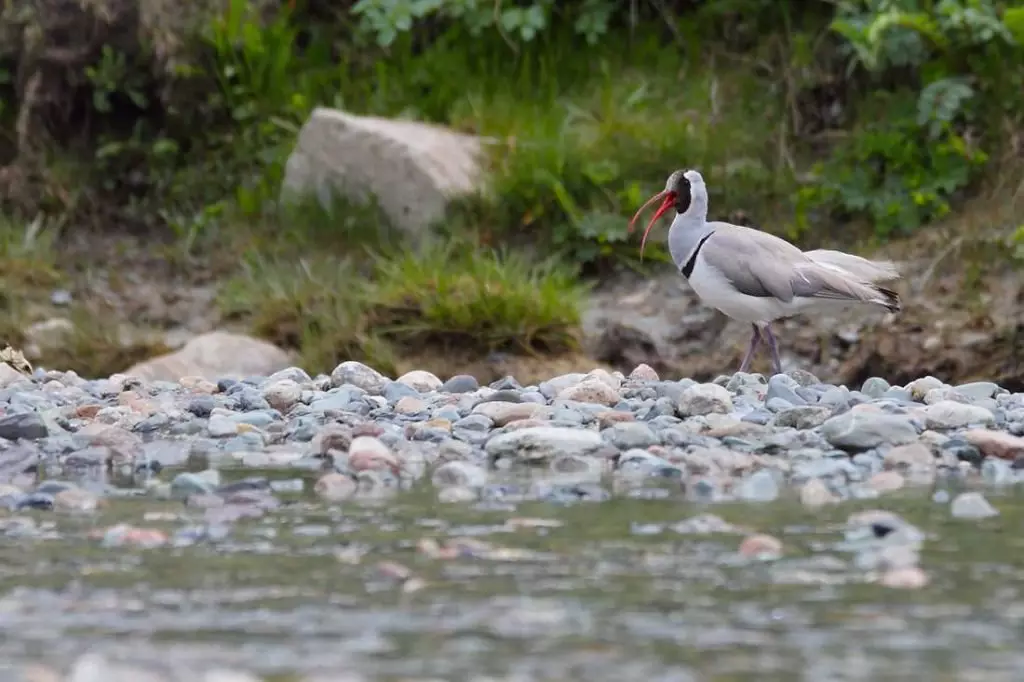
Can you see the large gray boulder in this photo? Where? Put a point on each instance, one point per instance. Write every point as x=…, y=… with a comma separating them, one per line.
x=215, y=355
x=413, y=169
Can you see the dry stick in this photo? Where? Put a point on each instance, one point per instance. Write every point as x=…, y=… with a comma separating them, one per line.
x=926, y=277
x=23, y=125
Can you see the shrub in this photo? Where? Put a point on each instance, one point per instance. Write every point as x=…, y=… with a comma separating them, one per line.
x=947, y=79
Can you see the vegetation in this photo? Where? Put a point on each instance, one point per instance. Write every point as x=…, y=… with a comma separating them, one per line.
x=174, y=122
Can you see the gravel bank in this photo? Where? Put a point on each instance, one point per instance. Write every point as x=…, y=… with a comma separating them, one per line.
x=578, y=438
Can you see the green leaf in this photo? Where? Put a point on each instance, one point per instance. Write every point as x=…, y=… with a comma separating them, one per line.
x=1013, y=20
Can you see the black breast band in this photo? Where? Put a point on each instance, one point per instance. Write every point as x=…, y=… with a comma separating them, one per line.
x=687, y=269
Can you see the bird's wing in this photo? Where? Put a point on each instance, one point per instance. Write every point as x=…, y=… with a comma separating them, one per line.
x=866, y=270
x=762, y=265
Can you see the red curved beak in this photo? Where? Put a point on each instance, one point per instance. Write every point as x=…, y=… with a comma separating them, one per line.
x=668, y=199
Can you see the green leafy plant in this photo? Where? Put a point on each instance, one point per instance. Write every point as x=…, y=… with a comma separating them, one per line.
x=920, y=146
x=900, y=170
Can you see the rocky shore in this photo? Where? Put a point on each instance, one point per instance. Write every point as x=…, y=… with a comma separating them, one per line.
x=71, y=446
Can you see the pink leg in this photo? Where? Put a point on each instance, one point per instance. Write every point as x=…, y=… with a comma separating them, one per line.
x=755, y=340
x=773, y=346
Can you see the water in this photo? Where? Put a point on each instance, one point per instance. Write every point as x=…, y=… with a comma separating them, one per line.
x=594, y=591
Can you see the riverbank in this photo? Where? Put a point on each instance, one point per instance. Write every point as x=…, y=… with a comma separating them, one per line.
x=381, y=514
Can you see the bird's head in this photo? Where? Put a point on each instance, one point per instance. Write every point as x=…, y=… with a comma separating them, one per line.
x=677, y=193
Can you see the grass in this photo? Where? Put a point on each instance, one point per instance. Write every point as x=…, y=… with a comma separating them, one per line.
x=376, y=307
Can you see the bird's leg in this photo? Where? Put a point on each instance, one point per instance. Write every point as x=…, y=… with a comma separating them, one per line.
x=773, y=346
x=755, y=340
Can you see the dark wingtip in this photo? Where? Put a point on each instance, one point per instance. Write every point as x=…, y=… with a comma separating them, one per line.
x=892, y=300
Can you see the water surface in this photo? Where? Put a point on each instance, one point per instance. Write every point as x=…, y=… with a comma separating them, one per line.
x=404, y=588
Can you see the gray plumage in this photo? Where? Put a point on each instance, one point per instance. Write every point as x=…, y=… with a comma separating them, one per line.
x=757, y=277
x=761, y=265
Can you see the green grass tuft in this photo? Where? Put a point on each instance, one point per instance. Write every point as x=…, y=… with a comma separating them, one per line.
x=451, y=295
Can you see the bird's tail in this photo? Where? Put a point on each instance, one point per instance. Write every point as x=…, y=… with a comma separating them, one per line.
x=865, y=270
x=888, y=298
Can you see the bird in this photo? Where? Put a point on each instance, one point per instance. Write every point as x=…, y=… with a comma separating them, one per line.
x=755, y=277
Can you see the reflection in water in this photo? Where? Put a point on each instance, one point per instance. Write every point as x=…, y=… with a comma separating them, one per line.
x=620, y=590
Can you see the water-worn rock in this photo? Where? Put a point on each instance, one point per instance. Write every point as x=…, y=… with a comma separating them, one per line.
x=543, y=443
x=591, y=391
x=703, y=399
x=359, y=375
x=501, y=413
x=913, y=456
x=28, y=425
x=996, y=443
x=421, y=381
x=864, y=430
x=282, y=395
x=215, y=355
x=949, y=414
x=971, y=505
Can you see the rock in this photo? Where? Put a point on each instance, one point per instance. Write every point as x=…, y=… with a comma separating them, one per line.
x=542, y=443
x=359, y=375
x=886, y=481
x=629, y=435
x=815, y=494
x=905, y=578
x=704, y=399
x=995, y=471
x=875, y=387
x=367, y=452
x=971, y=505
x=456, y=473
x=335, y=487
x=409, y=405
x=215, y=355
x=760, y=486
x=591, y=391
x=501, y=413
x=910, y=457
x=760, y=546
x=418, y=380
x=803, y=416
x=412, y=169
x=460, y=383
x=949, y=414
x=978, y=390
x=9, y=375
x=187, y=484
x=555, y=385
x=47, y=335
x=995, y=443
x=28, y=426
x=918, y=388
x=76, y=501
x=643, y=372
x=865, y=430
x=123, y=445
x=282, y=395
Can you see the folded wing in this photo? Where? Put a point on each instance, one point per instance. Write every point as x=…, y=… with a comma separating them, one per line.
x=761, y=265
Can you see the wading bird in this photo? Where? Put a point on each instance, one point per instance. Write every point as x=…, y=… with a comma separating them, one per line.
x=755, y=277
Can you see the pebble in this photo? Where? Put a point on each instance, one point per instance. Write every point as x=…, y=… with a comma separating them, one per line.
x=583, y=437
x=971, y=505
x=950, y=414
x=704, y=399
x=865, y=430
